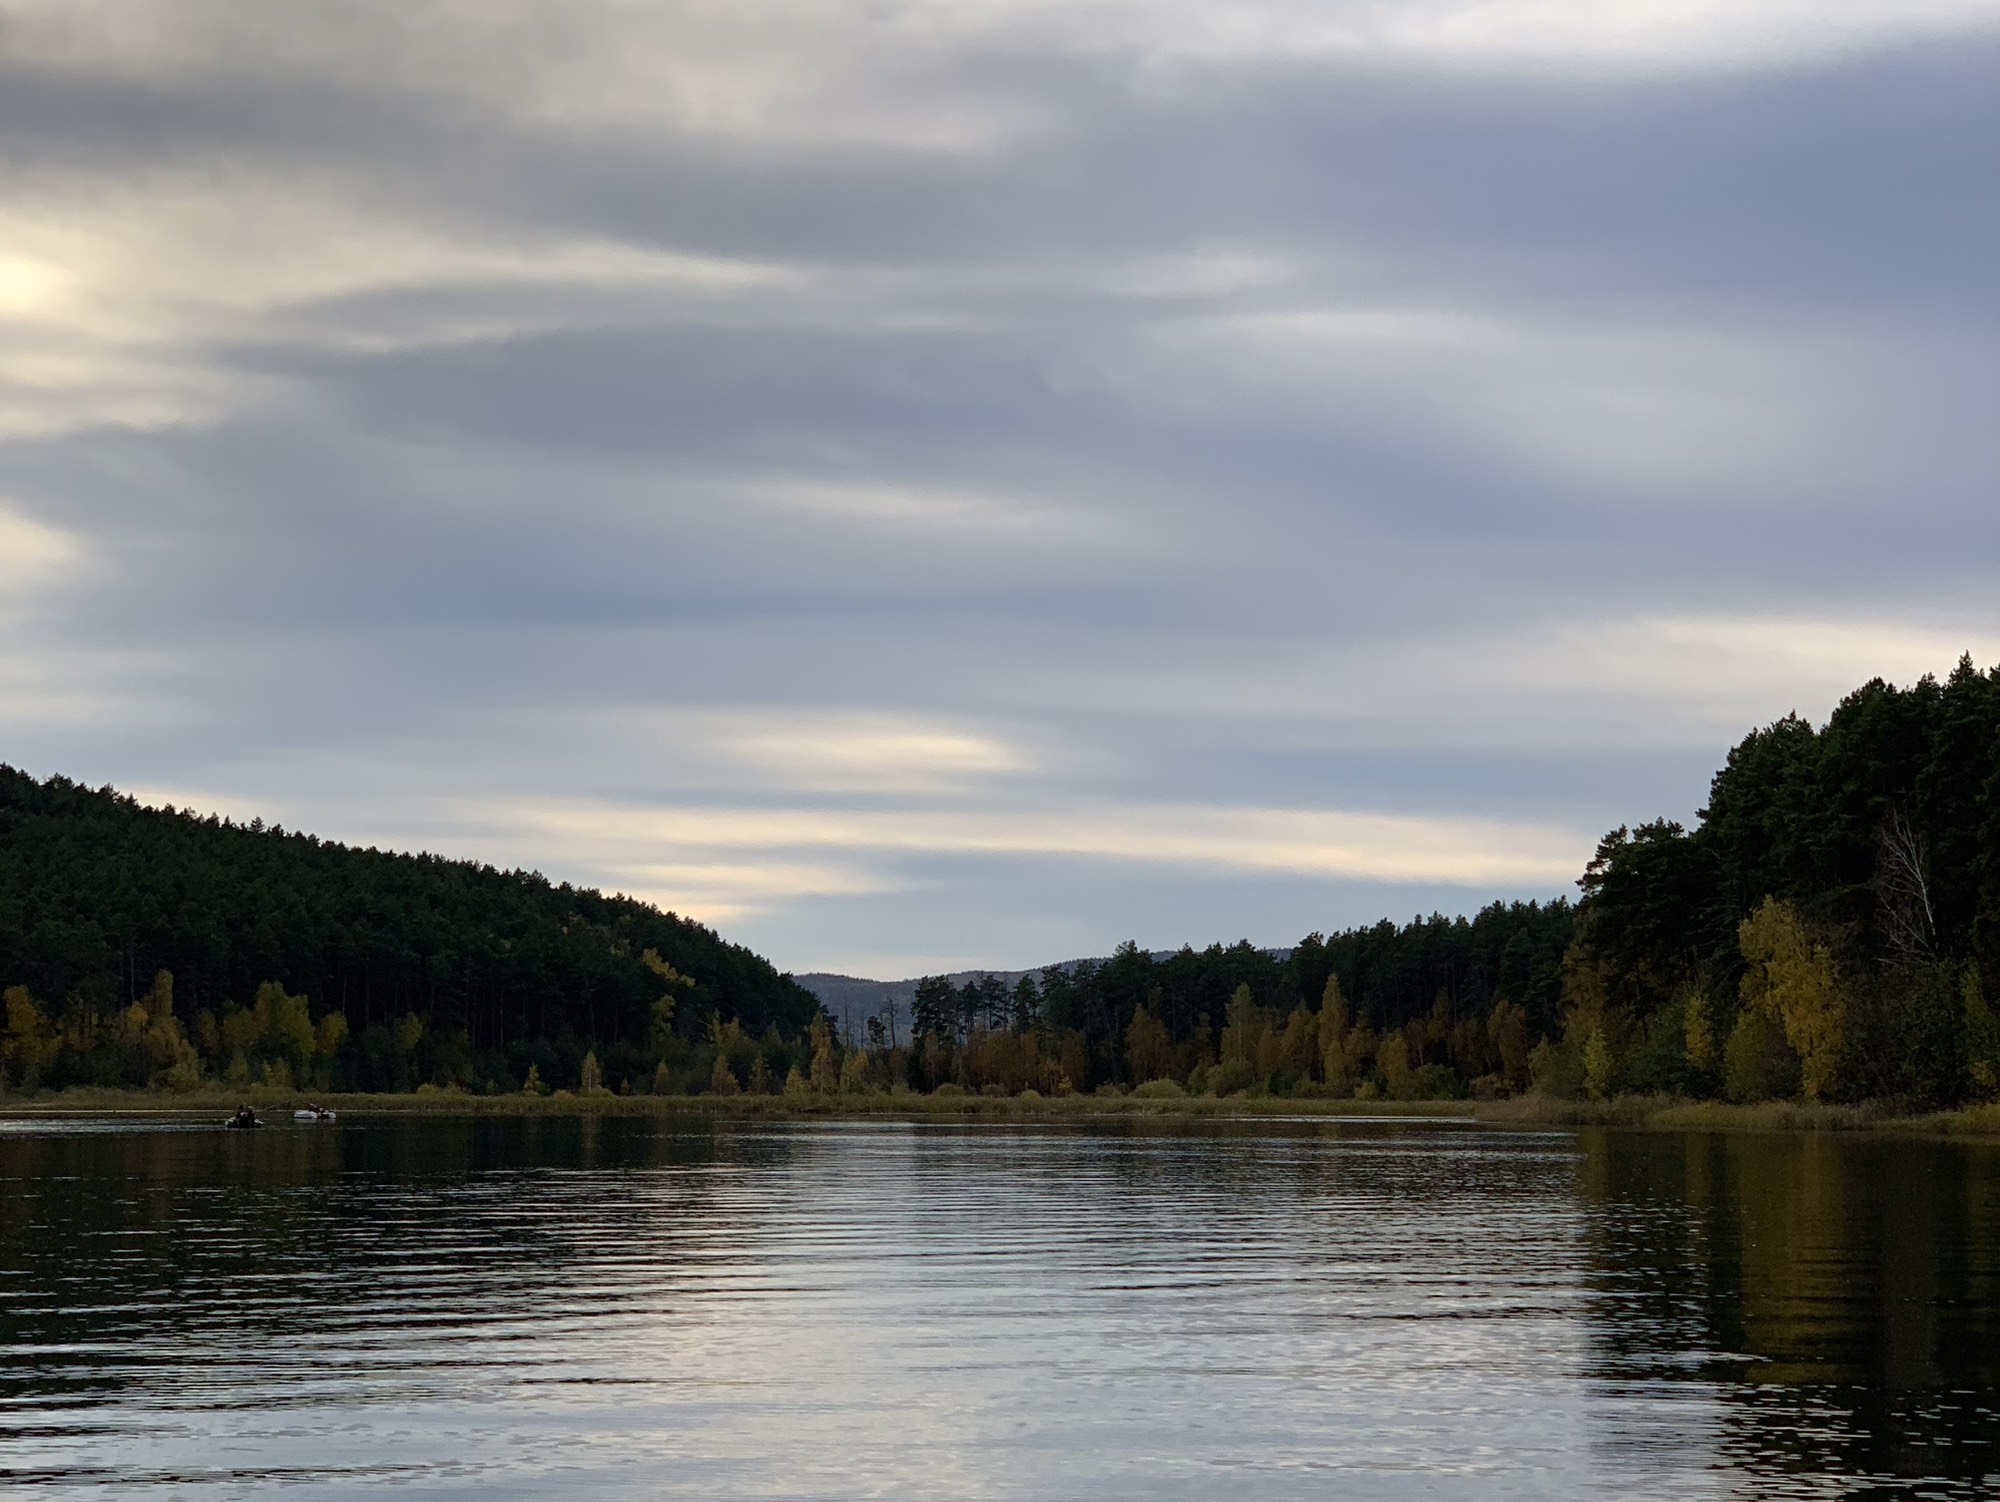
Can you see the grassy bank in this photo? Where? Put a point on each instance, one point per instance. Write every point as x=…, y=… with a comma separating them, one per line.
x=1640, y=1113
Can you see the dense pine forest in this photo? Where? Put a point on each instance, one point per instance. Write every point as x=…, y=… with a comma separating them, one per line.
x=1822, y=932
x=1429, y=1006
x=1825, y=931
x=139, y=944
x=1829, y=927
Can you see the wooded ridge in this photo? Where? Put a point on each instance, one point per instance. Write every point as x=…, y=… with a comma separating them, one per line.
x=1823, y=933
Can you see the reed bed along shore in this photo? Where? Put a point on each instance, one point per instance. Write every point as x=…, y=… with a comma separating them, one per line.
x=1635, y=1113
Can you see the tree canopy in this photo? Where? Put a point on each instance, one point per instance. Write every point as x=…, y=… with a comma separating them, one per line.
x=1838, y=901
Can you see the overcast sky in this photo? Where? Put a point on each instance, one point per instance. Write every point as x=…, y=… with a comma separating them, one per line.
x=932, y=483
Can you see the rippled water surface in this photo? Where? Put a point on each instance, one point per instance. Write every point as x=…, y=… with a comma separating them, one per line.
x=624, y=1307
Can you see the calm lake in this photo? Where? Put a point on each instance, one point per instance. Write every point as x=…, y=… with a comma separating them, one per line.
x=641, y=1308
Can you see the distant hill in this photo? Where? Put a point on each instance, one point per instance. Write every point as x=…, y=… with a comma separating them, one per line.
x=98, y=892
x=850, y=1000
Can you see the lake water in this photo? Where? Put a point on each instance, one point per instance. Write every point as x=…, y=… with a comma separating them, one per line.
x=638, y=1308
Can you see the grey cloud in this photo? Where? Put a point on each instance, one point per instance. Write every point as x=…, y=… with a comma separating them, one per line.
x=1340, y=431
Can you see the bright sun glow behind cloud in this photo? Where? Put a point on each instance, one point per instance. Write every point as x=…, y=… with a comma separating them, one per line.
x=31, y=551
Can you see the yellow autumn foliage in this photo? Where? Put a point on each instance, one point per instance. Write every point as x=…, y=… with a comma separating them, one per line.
x=1790, y=977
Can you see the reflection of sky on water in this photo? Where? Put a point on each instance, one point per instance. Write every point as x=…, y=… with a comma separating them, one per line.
x=97, y=1126
x=616, y=1308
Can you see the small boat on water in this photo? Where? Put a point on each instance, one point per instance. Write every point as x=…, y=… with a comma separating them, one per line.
x=243, y=1121
x=313, y=1113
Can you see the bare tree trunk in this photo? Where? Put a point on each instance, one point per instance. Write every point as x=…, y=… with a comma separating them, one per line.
x=1903, y=890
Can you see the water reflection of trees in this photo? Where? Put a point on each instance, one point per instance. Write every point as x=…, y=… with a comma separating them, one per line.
x=1842, y=1295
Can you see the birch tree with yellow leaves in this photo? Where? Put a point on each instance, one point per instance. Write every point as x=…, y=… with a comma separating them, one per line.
x=1790, y=977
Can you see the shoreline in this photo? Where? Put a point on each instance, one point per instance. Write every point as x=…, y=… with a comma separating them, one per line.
x=1630, y=1113
x=87, y=1101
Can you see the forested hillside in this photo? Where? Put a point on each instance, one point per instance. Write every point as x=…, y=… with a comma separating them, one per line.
x=1824, y=931
x=1829, y=926
x=437, y=970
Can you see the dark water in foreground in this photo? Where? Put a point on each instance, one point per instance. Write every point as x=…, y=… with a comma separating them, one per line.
x=626, y=1308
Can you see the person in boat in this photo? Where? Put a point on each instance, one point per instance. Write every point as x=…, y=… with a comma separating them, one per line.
x=245, y=1117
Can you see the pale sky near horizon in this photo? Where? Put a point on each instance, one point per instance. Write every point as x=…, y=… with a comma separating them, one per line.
x=934, y=483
